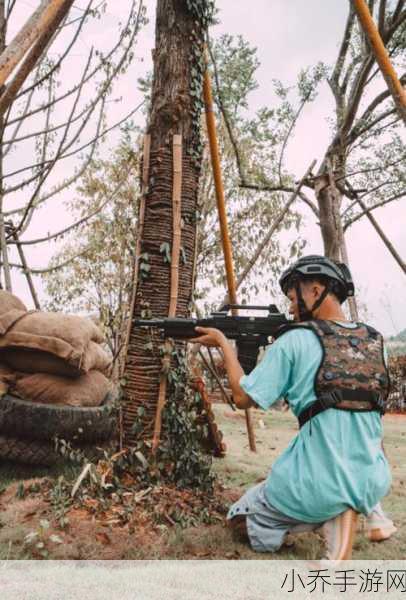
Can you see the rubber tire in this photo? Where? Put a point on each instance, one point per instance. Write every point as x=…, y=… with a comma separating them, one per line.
x=35, y=452
x=33, y=421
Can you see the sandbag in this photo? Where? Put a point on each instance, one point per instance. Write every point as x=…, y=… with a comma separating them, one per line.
x=36, y=361
x=88, y=390
x=39, y=342
x=7, y=377
x=9, y=302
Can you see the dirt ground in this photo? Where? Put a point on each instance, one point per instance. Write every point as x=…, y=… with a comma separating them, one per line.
x=33, y=527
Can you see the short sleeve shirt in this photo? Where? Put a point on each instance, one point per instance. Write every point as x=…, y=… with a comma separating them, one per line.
x=336, y=461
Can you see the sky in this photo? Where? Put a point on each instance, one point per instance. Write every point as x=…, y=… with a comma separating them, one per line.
x=288, y=36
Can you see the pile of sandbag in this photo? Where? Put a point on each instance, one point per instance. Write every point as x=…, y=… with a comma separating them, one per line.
x=51, y=358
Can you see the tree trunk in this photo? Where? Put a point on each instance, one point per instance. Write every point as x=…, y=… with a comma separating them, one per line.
x=175, y=110
x=329, y=199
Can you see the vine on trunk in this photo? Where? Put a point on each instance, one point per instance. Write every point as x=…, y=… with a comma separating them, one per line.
x=203, y=12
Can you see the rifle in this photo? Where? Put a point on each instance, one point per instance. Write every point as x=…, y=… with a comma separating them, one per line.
x=250, y=333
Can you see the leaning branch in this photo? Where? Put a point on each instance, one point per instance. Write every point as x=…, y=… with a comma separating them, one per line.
x=40, y=21
x=369, y=209
x=31, y=59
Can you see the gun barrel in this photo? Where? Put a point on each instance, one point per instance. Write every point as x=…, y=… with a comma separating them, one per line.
x=149, y=322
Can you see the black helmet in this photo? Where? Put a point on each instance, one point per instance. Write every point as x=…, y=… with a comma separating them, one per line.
x=314, y=266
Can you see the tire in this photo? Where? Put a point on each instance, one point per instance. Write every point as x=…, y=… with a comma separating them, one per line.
x=36, y=452
x=28, y=420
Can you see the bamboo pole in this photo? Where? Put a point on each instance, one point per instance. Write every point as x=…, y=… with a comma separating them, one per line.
x=174, y=289
x=381, y=56
x=176, y=222
x=41, y=19
x=220, y=198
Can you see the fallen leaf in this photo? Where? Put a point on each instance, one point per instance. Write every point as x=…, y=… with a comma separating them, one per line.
x=103, y=538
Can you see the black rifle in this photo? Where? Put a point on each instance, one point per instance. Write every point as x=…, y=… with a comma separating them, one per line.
x=250, y=333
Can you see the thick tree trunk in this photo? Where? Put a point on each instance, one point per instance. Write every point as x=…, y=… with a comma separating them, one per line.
x=174, y=111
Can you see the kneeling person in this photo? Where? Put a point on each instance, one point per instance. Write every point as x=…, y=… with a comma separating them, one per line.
x=334, y=376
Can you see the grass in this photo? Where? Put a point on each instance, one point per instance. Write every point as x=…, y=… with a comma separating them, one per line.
x=273, y=430
x=238, y=470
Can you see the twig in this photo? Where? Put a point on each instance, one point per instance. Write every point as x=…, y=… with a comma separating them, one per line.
x=85, y=471
x=218, y=380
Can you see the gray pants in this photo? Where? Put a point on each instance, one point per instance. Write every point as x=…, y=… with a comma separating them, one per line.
x=267, y=527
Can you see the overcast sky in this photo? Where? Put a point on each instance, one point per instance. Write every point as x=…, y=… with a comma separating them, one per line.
x=288, y=35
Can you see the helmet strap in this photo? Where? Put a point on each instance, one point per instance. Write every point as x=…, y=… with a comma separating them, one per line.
x=306, y=314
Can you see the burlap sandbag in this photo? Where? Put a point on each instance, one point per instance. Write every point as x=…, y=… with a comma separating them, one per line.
x=38, y=342
x=9, y=302
x=7, y=377
x=87, y=390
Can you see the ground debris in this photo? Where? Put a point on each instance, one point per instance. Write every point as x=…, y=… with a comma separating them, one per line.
x=114, y=494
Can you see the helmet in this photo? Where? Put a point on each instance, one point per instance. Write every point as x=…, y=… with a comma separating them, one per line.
x=315, y=266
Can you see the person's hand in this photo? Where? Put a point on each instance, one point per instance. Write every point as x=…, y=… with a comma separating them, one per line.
x=209, y=336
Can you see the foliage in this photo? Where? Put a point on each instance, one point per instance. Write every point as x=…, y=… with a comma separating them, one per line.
x=99, y=280
x=180, y=458
x=250, y=215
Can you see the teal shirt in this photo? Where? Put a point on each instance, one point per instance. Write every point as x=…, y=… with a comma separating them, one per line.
x=336, y=460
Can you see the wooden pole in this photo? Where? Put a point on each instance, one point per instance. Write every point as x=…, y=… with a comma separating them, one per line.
x=40, y=20
x=382, y=57
x=39, y=47
x=225, y=238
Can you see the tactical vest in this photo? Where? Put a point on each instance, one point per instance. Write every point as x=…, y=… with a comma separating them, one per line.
x=352, y=374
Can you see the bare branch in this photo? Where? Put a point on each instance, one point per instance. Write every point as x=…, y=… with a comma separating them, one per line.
x=342, y=54
x=381, y=17
x=101, y=64
x=9, y=144
x=50, y=164
x=374, y=169
x=51, y=269
x=68, y=154
x=288, y=134
x=75, y=225
x=10, y=7
x=60, y=60
x=372, y=208
x=267, y=238
x=396, y=13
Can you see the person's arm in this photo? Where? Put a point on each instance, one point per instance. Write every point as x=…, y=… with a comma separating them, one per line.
x=213, y=337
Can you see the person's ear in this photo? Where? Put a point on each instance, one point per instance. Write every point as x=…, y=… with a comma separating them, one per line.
x=317, y=291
